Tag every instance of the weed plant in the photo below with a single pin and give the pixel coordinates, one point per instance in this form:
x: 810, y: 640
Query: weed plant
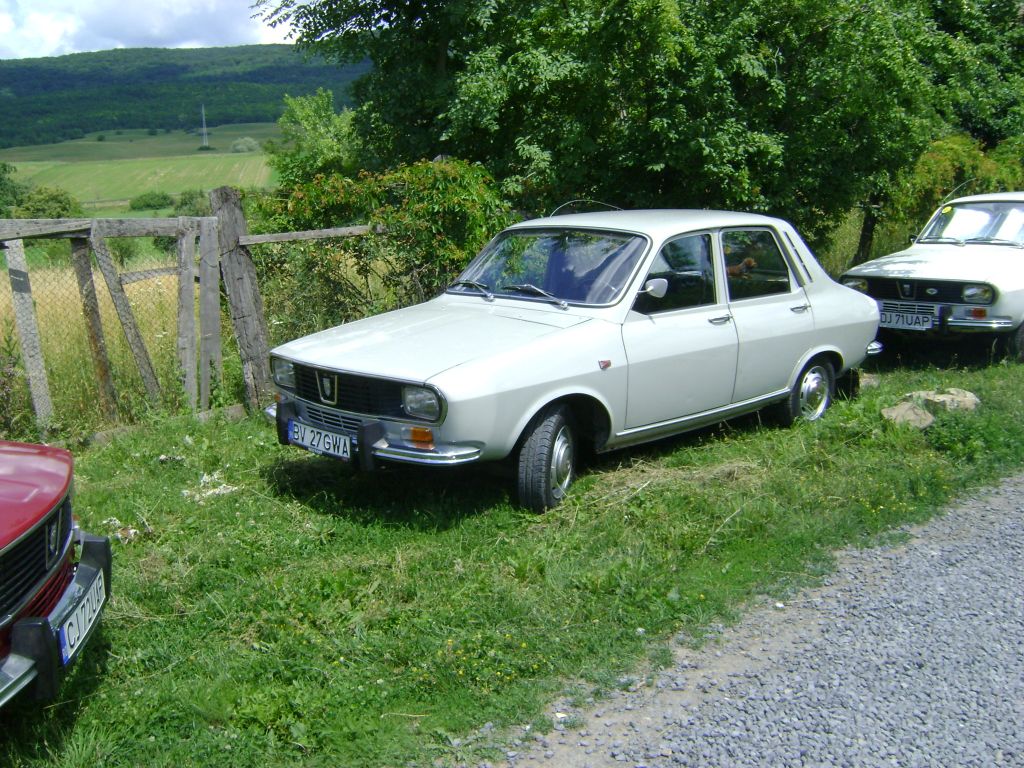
x: 273, y: 608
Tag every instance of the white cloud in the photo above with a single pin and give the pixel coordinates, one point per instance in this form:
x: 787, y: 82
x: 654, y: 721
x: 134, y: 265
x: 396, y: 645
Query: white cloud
x: 30, y: 28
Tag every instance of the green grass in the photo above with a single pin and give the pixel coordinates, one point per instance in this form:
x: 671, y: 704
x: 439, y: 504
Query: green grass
x: 133, y: 144
x: 274, y: 609
x: 109, y: 181
x: 105, y: 175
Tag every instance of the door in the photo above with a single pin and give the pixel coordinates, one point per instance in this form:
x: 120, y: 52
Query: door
x: 773, y: 318
x: 681, y: 348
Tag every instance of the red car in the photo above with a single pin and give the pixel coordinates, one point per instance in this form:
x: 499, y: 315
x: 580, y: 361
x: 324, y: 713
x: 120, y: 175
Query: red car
x: 54, y: 578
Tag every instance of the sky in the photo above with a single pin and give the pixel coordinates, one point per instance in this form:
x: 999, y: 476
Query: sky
x: 33, y: 28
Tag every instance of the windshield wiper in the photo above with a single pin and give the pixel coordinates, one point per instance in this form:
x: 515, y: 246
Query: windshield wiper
x: 483, y: 288
x: 531, y: 288
x: 995, y: 241
x: 952, y: 240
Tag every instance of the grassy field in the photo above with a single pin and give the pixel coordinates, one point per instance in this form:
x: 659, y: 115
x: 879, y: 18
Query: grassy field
x: 105, y: 175
x: 108, y: 182
x: 133, y: 144
x: 271, y: 608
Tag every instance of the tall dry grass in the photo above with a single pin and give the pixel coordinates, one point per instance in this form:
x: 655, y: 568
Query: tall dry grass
x: 69, y: 364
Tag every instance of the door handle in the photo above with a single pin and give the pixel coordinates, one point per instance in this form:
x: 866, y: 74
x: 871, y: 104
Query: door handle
x: 720, y: 320
x: 800, y: 309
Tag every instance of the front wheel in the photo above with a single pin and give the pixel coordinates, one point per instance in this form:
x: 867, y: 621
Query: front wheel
x: 811, y: 395
x: 546, y: 460
x: 1013, y: 344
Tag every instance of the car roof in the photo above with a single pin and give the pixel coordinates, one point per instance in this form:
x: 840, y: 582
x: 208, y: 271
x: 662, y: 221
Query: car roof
x: 992, y: 197
x: 657, y: 223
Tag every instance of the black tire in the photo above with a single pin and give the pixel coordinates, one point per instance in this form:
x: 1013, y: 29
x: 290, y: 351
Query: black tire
x: 546, y: 459
x: 1013, y: 344
x: 811, y: 395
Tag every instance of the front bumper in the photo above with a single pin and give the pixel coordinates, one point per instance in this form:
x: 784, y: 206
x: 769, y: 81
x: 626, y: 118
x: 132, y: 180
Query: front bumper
x: 943, y: 318
x: 370, y: 441
x: 42, y: 647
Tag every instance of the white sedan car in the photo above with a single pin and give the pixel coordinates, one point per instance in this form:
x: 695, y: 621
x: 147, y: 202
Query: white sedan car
x: 580, y: 332
x: 964, y: 274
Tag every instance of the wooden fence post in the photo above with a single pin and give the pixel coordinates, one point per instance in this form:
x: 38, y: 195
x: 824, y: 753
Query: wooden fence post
x: 210, y: 361
x: 124, y: 313
x: 94, y: 327
x: 187, y: 310
x: 243, y: 293
x: 28, y: 332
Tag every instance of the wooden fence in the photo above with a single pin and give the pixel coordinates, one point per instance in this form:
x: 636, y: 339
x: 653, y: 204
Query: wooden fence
x: 223, y: 243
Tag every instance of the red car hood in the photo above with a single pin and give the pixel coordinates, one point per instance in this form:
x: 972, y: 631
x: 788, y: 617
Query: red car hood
x: 33, y: 480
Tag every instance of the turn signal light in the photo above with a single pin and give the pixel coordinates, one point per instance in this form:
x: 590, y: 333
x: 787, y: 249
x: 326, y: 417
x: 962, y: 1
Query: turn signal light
x: 420, y: 437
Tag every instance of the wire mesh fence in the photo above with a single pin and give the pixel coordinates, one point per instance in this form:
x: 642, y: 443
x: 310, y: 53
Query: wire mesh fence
x: 150, y: 284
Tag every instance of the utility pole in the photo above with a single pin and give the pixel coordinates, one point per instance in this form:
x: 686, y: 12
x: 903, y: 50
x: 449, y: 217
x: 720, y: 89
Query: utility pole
x: 206, y: 139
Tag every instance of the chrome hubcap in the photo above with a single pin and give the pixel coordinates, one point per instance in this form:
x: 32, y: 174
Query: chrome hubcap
x: 561, y: 462
x: 814, y: 393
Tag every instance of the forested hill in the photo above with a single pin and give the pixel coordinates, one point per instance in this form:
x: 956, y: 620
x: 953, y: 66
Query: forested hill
x: 63, y: 97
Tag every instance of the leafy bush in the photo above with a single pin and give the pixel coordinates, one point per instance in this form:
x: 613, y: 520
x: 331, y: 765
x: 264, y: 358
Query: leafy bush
x: 429, y: 220
x: 14, y: 406
x: 123, y: 249
x: 245, y: 144
x: 191, y: 202
x: 151, y: 201
x: 48, y: 203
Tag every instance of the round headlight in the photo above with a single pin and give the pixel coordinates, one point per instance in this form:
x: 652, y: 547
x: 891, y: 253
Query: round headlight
x: 283, y: 372
x: 857, y: 283
x: 421, y: 403
x: 978, y: 294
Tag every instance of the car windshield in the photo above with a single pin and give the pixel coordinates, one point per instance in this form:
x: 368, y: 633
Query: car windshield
x: 998, y: 223
x: 556, y: 265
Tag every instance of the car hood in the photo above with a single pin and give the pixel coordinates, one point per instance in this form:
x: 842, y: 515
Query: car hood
x: 33, y: 479
x: 997, y: 264
x: 419, y: 342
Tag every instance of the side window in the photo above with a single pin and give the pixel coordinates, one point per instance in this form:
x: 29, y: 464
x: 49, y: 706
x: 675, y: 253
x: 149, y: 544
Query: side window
x: 754, y: 264
x: 686, y: 264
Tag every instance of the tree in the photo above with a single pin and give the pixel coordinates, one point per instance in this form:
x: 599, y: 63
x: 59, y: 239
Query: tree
x: 11, y: 191
x: 791, y: 107
x: 981, y: 67
x: 414, y: 48
x: 315, y: 139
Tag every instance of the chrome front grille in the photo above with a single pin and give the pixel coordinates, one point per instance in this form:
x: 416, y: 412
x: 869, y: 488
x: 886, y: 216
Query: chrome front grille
x: 906, y: 308
x: 334, y: 420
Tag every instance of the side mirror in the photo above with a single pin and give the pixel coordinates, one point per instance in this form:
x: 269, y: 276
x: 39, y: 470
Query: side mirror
x: 656, y: 287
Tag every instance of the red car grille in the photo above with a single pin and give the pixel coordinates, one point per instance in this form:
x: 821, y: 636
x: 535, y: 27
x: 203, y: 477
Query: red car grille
x: 26, y: 562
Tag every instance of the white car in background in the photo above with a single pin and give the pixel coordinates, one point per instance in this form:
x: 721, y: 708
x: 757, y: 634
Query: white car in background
x: 580, y: 332
x: 964, y: 274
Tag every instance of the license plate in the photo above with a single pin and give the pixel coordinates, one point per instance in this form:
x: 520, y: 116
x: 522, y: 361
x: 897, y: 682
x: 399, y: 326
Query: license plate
x: 77, y: 626
x: 907, y: 321
x: 319, y: 440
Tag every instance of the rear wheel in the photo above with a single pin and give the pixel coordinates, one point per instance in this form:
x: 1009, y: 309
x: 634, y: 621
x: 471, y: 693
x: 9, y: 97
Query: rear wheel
x: 546, y: 460
x: 811, y: 395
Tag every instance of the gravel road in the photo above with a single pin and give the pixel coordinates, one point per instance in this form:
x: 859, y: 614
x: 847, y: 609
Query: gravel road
x: 908, y: 655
